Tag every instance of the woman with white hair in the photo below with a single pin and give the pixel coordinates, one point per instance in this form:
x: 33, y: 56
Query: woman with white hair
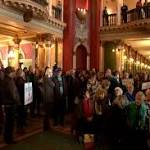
x: 21, y: 109
x: 48, y: 98
x: 120, y: 100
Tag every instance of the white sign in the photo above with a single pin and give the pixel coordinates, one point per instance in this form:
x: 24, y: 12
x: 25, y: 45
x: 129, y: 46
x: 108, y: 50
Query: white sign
x: 145, y: 85
x: 28, y: 97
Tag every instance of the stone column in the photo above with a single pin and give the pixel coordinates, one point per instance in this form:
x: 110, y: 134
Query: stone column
x: 62, y: 14
x: 69, y: 33
x: 48, y: 49
x: 50, y: 8
x: 56, y: 51
x: 94, y: 24
x: 119, y: 5
x: 101, y: 49
x: 101, y: 12
x: 33, y: 55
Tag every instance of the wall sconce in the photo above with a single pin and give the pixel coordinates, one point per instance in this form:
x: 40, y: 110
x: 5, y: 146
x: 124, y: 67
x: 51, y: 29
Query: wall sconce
x: 125, y: 57
x: 137, y: 63
x: 142, y: 64
x: 113, y: 50
x: 131, y: 60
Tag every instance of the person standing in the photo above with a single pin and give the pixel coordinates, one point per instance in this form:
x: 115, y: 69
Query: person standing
x: 105, y: 17
x: 136, y: 119
x: 124, y: 11
x: 1, y: 99
x: 11, y: 100
x: 139, y: 8
x: 60, y: 91
x: 21, y: 111
x: 48, y: 89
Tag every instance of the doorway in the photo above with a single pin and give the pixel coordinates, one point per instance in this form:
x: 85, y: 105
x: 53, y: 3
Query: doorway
x: 81, y: 58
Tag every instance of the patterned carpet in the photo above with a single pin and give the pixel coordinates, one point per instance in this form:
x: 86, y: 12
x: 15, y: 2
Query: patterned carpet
x: 46, y: 141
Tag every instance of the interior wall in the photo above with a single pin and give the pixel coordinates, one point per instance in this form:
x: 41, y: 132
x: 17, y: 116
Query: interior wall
x: 111, y: 6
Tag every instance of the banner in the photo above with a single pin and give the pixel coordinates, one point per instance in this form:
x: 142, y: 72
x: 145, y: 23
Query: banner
x: 28, y: 95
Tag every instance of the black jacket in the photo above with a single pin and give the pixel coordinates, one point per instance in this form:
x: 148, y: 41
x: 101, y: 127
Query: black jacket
x: 57, y: 92
x: 48, y: 90
x: 11, y: 96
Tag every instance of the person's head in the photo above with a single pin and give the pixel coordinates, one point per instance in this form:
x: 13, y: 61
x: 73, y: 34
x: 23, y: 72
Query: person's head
x: 105, y: 84
x: 20, y: 73
x: 126, y: 75
x: 10, y: 72
x: 139, y: 98
x: 130, y: 88
x: 30, y: 69
x: 117, y: 74
x: 108, y: 73
x: 118, y: 91
x: 100, y: 94
x: 1, y: 75
x: 59, y: 71
x: 147, y: 95
x: 93, y: 76
x: 48, y: 72
x: 25, y: 69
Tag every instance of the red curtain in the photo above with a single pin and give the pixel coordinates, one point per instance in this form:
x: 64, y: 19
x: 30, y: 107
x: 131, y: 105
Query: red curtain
x: 82, y: 4
x: 81, y: 58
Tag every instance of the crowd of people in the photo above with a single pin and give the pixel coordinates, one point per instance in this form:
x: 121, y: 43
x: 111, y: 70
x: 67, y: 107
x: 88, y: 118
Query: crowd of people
x: 112, y: 107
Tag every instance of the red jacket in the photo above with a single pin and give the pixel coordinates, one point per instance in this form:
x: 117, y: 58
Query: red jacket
x: 87, y: 108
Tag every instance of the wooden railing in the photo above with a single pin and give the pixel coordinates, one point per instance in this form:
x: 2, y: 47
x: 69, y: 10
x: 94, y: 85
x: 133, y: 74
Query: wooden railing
x: 136, y: 14
x: 132, y: 15
x: 110, y: 21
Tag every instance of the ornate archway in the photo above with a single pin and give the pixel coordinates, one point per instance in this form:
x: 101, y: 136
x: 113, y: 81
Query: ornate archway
x: 78, y: 54
x: 81, y: 58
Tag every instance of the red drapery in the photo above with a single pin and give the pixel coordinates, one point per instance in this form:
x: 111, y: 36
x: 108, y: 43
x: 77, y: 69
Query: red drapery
x: 82, y: 4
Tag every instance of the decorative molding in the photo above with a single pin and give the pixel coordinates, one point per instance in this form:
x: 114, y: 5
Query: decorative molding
x: 132, y: 26
x: 133, y: 29
x: 52, y: 25
x: 25, y: 5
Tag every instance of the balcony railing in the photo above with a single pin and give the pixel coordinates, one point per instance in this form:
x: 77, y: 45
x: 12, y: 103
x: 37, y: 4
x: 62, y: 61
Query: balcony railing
x: 132, y: 15
x: 36, y: 6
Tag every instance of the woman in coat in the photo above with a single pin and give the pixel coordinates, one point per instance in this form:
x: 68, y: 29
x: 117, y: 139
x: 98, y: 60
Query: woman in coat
x: 48, y: 87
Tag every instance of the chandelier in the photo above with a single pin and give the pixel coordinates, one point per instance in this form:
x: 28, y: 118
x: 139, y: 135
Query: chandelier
x: 81, y: 13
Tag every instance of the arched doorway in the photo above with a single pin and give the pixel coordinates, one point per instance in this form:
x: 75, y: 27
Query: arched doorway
x: 81, y: 58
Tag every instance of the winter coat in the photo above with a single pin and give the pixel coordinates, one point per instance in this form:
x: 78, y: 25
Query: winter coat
x: 48, y: 90
x: 11, y: 96
x: 137, y: 116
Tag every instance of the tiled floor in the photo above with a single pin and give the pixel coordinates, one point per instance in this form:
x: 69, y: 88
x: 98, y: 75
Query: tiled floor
x: 34, y: 126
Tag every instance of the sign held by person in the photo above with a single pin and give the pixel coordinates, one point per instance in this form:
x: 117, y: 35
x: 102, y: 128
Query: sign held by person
x: 28, y: 95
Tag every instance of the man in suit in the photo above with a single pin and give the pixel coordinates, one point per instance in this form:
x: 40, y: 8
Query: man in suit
x: 60, y: 102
